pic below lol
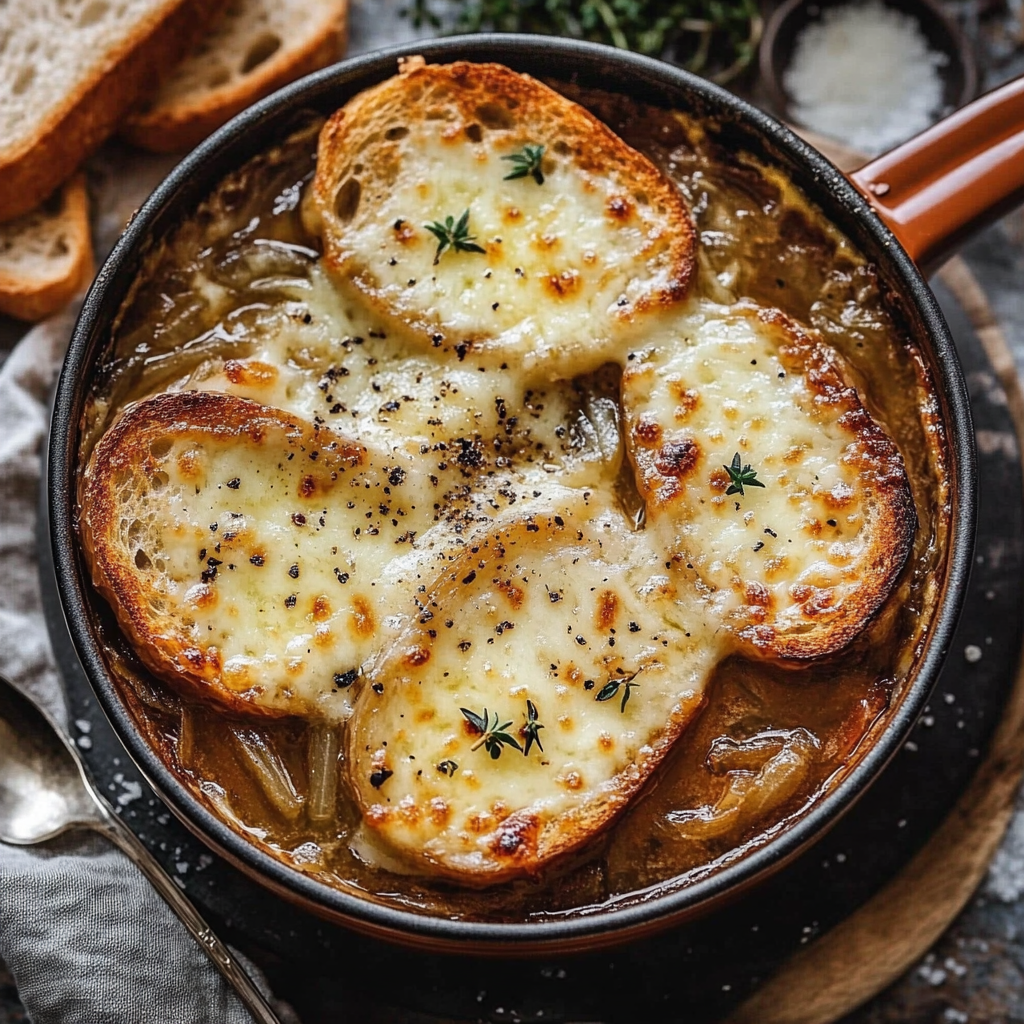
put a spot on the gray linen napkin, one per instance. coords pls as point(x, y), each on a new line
point(86, 937)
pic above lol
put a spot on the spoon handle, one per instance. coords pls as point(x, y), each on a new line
point(118, 833)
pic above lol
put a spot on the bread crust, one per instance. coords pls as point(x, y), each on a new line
point(891, 519)
point(35, 297)
point(33, 168)
point(120, 468)
point(356, 140)
point(178, 125)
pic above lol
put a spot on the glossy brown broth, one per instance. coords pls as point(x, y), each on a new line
point(758, 239)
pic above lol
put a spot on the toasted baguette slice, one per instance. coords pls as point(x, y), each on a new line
point(69, 73)
point(258, 46)
point(555, 264)
point(46, 255)
point(242, 548)
point(801, 559)
point(568, 617)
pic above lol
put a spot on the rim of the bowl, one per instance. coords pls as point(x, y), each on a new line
point(582, 930)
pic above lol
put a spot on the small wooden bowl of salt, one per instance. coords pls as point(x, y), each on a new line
point(866, 72)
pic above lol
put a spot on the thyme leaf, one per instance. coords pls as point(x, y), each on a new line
point(741, 477)
point(493, 736)
point(612, 687)
point(453, 235)
point(531, 729)
point(526, 163)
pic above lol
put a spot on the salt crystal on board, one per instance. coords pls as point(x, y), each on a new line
point(1006, 872)
point(132, 791)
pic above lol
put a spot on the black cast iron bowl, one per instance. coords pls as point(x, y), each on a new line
point(644, 80)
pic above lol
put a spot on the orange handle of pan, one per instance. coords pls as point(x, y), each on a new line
point(952, 179)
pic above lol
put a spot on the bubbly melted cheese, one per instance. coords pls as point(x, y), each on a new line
point(567, 270)
point(502, 568)
point(264, 546)
point(326, 360)
point(567, 609)
point(441, 535)
point(800, 558)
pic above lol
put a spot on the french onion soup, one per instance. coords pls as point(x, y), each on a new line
point(509, 501)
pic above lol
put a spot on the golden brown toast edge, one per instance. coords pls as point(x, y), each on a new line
point(124, 452)
point(482, 92)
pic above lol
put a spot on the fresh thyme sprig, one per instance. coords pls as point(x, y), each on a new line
point(612, 687)
point(493, 736)
point(741, 477)
point(531, 729)
point(710, 37)
point(453, 235)
point(526, 163)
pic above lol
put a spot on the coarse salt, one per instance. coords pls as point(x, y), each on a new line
point(864, 74)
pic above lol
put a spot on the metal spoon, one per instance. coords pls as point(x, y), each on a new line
point(44, 791)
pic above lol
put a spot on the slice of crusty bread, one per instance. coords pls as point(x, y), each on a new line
point(564, 607)
point(244, 549)
point(799, 561)
point(69, 72)
point(46, 255)
point(258, 46)
point(564, 262)
point(183, 505)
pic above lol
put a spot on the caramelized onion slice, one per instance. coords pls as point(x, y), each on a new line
point(757, 780)
point(323, 772)
point(184, 746)
point(269, 771)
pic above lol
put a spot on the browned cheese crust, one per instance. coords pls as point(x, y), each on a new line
point(504, 582)
point(119, 503)
point(674, 475)
point(891, 518)
point(364, 150)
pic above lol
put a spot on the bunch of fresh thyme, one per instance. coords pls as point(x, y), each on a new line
point(713, 37)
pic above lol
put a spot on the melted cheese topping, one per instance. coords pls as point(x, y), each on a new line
point(283, 559)
point(563, 260)
point(325, 360)
point(570, 610)
point(800, 552)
